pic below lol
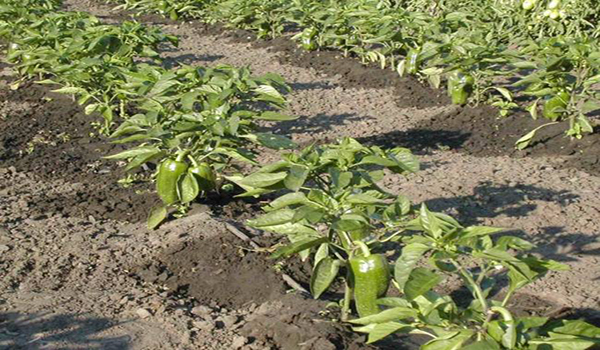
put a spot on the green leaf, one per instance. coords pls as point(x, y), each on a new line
point(287, 200)
point(275, 141)
point(70, 90)
point(270, 91)
point(487, 344)
point(296, 177)
point(565, 342)
point(533, 110)
point(388, 315)
point(590, 106)
point(292, 229)
point(298, 246)
point(505, 242)
point(262, 179)
point(420, 281)
point(519, 277)
point(382, 330)
point(189, 188)
point(584, 123)
point(237, 154)
point(529, 322)
point(405, 160)
point(543, 265)
point(322, 253)
point(363, 198)
point(141, 159)
point(393, 302)
point(156, 216)
point(453, 341)
point(474, 231)
point(348, 225)
point(163, 85)
point(274, 116)
point(134, 152)
point(509, 339)
point(430, 222)
point(378, 161)
point(525, 65)
point(91, 108)
point(524, 141)
point(505, 92)
point(188, 99)
point(324, 273)
point(340, 179)
point(309, 213)
point(574, 327)
point(407, 261)
point(273, 218)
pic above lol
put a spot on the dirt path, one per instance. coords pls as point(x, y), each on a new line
point(79, 270)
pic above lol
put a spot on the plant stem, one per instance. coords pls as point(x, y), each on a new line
point(506, 298)
point(347, 298)
point(476, 288)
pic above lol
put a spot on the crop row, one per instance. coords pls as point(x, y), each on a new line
point(490, 51)
point(198, 125)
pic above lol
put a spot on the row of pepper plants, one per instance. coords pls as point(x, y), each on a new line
point(198, 126)
point(542, 56)
point(191, 121)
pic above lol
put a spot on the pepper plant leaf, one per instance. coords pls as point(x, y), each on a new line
point(324, 273)
point(420, 281)
point(273, 218)
point(396, 313)
point(156, 216)
point(411, 253)
point(298, 247)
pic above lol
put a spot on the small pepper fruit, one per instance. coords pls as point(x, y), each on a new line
point(204, 175)
point(460, 86)
point(412, 61)
point(554, 105)
point(371, 279)
point(169, 172)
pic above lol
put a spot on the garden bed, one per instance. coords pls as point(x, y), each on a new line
point(80, 269)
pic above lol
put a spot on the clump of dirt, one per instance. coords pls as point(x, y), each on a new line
point(294, 323)
point(218, 269)
point(219, 272)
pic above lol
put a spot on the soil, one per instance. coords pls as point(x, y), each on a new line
point(80, 270)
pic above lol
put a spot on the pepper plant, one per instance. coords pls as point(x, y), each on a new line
point(336, 210)
point(440, 247)
point(565, 84)
point(196, 123)
point(83, 57)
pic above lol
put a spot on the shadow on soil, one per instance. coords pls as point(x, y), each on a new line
point(554, 243)
point(419, 141)
point(63, 331)
point(188, 59)
point(316, 124)
point(490, 201)
point(311, 86)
